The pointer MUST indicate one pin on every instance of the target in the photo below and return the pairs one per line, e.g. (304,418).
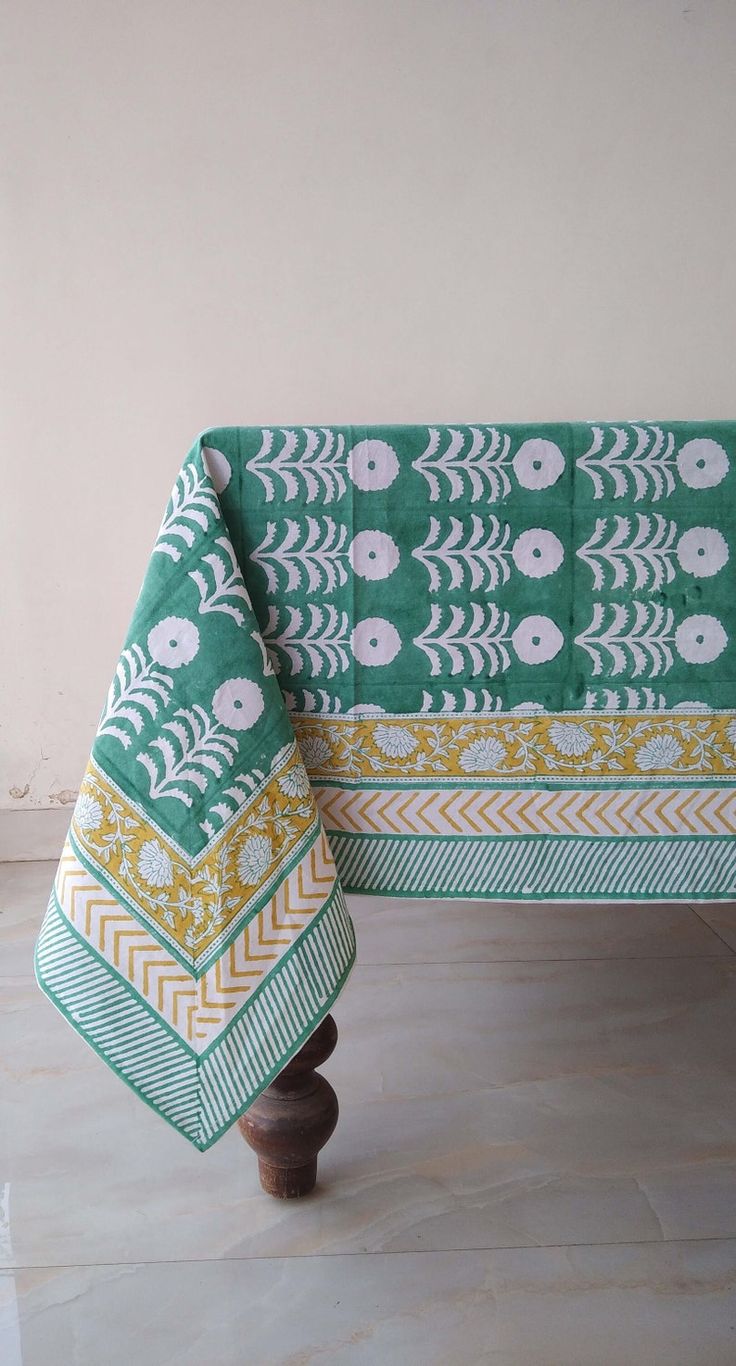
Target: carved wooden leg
(293,1118)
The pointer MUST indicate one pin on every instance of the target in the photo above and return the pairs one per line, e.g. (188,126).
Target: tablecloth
(424,661)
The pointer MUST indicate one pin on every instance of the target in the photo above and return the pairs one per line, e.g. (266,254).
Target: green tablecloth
(461,661)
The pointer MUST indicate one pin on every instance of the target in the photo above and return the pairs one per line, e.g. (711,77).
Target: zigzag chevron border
(547,867)
(197,1009)
(200,1096)
(480,811)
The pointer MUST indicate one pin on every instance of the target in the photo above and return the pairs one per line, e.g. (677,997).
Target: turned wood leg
(293,1118)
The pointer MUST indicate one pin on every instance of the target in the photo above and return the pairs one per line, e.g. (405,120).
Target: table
(447,661)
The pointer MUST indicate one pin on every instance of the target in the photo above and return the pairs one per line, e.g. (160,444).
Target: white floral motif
(173,642)
(316,643)
(537,639)
(537,553)
(316,468)
(254,858)
(702,463)
(645,470)
(227,582)
(538,463)
(154,864)
(474,464)
(731,732)
(476,549)
(372,465)
(474,637)
(700,639)
(187,753)
(375,641)
(87,812)
(295,783)
(662,751)
(138,687)
(192,504)
(642,552)
(315,751)
(481,755)
(702,551)
(313,548)
(238,703)
(638,637)
(396,742)
(569,738)
(374,555)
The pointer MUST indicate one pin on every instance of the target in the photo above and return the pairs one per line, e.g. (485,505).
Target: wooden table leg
(293,1118)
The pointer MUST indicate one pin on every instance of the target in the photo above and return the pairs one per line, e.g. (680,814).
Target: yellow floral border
(517,748)
(194,902)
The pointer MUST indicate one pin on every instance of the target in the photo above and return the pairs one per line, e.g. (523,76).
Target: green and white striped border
(200,1094)
(538,867)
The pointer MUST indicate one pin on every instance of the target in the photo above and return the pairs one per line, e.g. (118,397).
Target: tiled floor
(535,1163)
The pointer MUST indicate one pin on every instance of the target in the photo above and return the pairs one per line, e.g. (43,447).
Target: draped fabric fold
(421,661)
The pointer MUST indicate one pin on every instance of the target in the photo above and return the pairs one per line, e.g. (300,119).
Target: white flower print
(662,751)
(372,465)
(702,463)
(481,755)
(537,553)
(254,858)
(396,742)
(538,463)
(375,641)
(154,864)
(315,751)
(374,555)
(700,639)
(365,709)
(173,642)
(570,738)
(731,732)
(702,551)
(537,639)
(238,703)
(87,812)
(295,783)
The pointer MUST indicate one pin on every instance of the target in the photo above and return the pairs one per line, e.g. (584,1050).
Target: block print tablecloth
(465,661)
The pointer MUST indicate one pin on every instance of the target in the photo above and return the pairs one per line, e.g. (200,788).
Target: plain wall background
(292,211)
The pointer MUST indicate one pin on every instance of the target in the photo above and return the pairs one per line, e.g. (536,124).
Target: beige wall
(247,211)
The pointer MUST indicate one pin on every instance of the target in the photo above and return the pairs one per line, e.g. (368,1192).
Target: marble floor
(535,1163)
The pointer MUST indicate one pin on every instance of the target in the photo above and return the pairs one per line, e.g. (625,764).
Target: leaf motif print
(192,504)
(646,556)
(227,583)
(474,636)
(139,687)
(483,556)
(315,550)
(318,469)
(624,699)
(198,749)
(648,467)
(470,702)
(323,642)
(320,701)
(641,643)
(266,661)
(479,470)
